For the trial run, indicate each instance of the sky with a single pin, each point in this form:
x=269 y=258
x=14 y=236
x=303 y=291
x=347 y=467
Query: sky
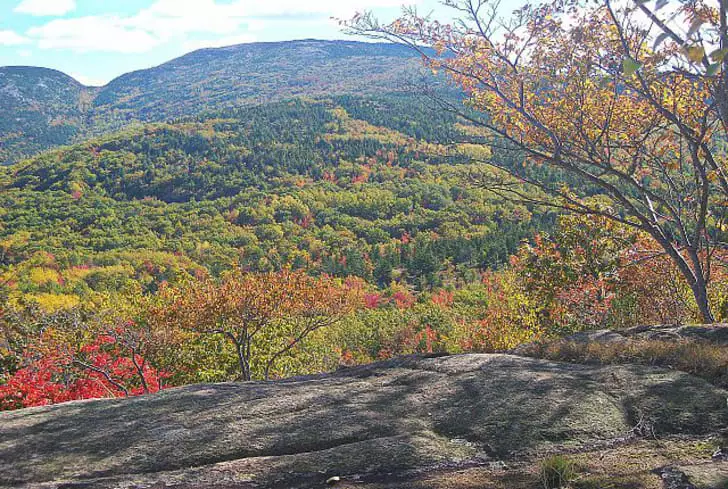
x=96 y=40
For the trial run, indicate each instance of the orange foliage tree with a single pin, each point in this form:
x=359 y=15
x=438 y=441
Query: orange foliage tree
x=269 y=312
x=573 y=275
x=651 y=281
x=611 y=115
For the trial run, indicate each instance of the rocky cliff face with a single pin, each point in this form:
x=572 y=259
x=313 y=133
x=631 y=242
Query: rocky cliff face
x=459 y=421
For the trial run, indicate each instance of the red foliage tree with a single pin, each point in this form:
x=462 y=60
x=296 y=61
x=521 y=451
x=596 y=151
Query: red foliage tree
x=56 y=371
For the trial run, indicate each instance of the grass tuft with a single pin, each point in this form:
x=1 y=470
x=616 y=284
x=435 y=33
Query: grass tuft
x=558 y=472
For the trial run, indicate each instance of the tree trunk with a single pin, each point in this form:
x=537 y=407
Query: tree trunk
x=722 y=95
x=701 y=298
x=693 y=275
x=243 y=362
x=700 y=287
x=140 y=372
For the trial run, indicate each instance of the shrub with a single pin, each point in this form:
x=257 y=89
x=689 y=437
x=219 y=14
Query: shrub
x=557 y=472
x=502 y=316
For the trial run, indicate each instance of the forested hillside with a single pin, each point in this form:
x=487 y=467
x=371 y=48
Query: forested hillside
x=348 y=228
x=336 y=186
x=358 y=192
x=51 y=109
x=255 y=73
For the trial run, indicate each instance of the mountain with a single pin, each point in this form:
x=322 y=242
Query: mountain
x=256 y=73
x=49 y=108
x=469 y=421
x=41 y=108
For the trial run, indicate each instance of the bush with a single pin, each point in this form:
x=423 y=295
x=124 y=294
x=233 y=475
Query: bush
x=557 y=472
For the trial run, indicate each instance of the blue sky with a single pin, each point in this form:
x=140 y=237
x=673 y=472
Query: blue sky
x=97 y=40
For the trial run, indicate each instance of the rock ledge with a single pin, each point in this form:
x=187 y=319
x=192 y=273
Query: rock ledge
x=402 y=415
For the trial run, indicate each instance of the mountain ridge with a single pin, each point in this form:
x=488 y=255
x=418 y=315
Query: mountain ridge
x=27 y=68
x=52 y=108
x=208 y=49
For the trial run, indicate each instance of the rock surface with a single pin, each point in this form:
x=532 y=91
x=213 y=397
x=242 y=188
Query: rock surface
x=361 y=424
x=716 y=334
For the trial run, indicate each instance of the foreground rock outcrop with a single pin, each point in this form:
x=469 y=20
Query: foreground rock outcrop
x=401 y=423
x=716 y=334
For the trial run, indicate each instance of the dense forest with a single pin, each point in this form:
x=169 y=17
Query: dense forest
x=312 y=184
x=379 y=199
x=372 y=189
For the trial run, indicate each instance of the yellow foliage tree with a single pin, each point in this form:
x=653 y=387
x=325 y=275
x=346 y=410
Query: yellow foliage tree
x=607 y=99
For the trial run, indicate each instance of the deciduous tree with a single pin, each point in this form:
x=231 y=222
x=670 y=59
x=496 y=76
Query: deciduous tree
x=606 y=120
x=282 y=307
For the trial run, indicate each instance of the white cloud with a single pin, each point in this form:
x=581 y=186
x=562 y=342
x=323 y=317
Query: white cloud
x=84 y=34
x=239 y=9
x=46 y=8
x=322 y=7
x=25 y=53
x=167 y=21
x=88 y=81
x=11 y=38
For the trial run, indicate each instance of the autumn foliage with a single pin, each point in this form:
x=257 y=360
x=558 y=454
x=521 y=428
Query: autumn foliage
x=612 y=113
x=264 y=316
x=56 y=367
x=613 y=132
x=588 y=273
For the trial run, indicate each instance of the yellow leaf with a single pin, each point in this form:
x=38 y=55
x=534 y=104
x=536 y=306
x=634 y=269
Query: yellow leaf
x=695 y=53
